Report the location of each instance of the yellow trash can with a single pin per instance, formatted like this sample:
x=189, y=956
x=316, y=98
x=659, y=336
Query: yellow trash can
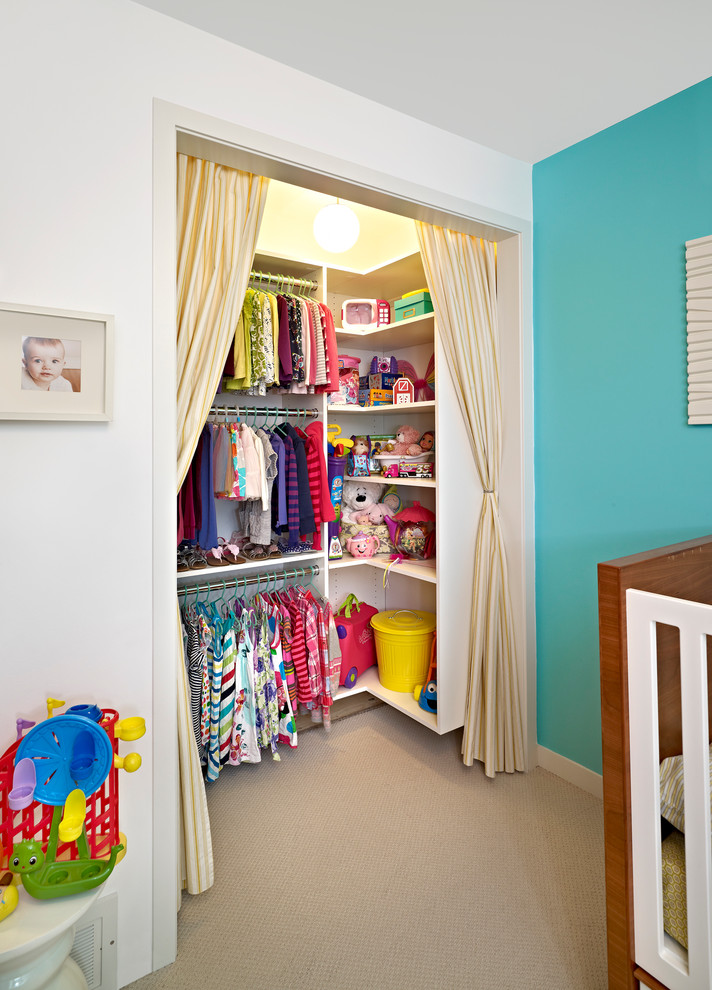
x=403, y=640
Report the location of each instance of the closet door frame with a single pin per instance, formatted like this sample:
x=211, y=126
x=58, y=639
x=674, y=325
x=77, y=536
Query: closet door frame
x=179, y=128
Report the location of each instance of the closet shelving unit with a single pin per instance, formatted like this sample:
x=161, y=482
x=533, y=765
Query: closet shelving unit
x=408, y=584
x=426, y=585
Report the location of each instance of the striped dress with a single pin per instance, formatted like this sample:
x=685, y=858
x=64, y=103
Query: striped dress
x=227, y=691
x=215, y=661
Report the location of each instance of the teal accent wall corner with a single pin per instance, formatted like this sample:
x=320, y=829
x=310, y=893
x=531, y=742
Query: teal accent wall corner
x=617, y=468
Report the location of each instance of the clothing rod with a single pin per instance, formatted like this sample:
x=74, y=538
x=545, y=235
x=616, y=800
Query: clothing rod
x=266, y=411
x=288, y=280
x=285, y=575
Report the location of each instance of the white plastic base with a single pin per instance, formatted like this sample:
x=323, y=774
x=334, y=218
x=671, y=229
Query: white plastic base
x=35, y=942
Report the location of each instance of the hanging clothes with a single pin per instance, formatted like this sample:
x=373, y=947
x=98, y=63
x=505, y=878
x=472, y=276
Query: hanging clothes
x=250, y=664
x=282, y=341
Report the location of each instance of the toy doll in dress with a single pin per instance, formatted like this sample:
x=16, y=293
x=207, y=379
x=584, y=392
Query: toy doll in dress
x=427, y=441
x=359, y=457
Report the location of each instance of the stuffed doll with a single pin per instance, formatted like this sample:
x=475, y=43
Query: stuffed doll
x=359, y=455
x=357, y=500
x=407, y=441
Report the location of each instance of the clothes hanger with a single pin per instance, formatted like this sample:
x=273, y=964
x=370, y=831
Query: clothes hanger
x=311, y=586
x=198, y=603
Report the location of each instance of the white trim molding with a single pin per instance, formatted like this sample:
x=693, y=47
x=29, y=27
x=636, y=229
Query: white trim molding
x=574, y=773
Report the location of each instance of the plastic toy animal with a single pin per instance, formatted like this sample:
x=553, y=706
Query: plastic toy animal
x=56, y=879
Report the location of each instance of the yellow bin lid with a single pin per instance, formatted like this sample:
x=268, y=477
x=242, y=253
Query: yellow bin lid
x=404, y=622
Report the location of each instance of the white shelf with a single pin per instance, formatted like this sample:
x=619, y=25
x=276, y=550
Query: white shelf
x=402, y=700
x=402, y=333
x=400, y=408
x=421, y=570
x=224, y=572
x=387, y=281
x=379, y=479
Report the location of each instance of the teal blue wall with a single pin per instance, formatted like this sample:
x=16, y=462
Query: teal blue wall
x=617, y=468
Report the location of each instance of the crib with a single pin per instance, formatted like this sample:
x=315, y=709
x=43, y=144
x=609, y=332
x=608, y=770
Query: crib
x=655, y=628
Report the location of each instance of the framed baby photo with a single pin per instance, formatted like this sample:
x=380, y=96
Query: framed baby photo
x=55, y=364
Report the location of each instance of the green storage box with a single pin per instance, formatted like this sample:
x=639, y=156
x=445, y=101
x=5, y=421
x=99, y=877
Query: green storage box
x=417, y=304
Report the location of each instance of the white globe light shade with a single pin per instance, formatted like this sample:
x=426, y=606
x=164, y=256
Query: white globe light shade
x=336, y=228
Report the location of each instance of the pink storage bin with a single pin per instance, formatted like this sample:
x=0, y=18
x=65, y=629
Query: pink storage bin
x=346, y=361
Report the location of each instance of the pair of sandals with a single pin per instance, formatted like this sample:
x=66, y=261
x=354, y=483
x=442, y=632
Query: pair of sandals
x=255, y=551
x=190, y=559
x=224, y=554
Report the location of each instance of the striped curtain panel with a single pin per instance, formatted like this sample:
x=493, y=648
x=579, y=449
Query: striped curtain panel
x=219, y=211
x=462, y=277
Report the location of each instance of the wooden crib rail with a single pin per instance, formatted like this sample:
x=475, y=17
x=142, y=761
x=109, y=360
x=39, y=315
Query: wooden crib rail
x=663, y=959
x=683, y=570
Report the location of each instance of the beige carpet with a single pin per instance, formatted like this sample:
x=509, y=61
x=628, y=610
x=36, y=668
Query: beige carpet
x=372, y=858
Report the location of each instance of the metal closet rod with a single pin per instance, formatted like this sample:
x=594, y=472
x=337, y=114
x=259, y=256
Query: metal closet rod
x=264, y=411
x=284, y=280
x=240, y=582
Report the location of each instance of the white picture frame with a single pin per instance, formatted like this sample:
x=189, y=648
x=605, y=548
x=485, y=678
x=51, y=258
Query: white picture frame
x=55, y=364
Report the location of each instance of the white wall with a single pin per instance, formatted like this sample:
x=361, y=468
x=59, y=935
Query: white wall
x=79, y=78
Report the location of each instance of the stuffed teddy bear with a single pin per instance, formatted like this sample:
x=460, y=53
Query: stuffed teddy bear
x=407, y=441
x=359, y=457
x=357, y=500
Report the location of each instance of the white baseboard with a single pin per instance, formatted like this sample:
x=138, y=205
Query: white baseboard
x=587, y=780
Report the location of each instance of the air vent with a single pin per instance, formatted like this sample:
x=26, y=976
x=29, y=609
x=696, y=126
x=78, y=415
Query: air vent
x=94, y=948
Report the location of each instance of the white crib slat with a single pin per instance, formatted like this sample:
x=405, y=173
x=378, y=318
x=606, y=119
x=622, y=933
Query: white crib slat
x=693, y=649
x=674, y=968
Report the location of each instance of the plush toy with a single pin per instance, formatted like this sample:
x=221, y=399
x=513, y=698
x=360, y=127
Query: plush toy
x=407, y=441
x=359, y=457
x=357, y=500
x=375, y=514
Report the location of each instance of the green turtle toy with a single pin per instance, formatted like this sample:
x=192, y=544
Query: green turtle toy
x=59, y=878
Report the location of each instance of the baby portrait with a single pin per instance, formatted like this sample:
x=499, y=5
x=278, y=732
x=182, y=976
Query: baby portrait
x=51, y=365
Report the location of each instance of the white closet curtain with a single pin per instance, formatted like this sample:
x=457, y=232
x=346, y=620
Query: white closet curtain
x=219, y=213
x=462, y=277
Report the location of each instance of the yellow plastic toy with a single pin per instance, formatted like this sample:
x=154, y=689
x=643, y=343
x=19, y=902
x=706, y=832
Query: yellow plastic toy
x=130, y=728
x=8, y=891
x=130, y=763
x=75, y=811
x=8, y=899
x=53, y=703
x=333, y=434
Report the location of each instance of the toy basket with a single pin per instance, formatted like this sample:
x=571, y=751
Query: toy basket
x=403, y=645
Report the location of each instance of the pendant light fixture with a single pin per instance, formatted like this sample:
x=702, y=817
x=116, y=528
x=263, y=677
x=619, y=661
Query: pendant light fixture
x=336, y=227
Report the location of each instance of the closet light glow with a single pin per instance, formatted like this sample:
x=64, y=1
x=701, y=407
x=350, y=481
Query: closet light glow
x=336, y=228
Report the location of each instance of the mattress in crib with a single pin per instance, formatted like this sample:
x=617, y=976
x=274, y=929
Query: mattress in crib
x=674, y=887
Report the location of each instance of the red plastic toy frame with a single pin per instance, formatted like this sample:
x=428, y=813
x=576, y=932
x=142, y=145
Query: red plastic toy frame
x=33, y=822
